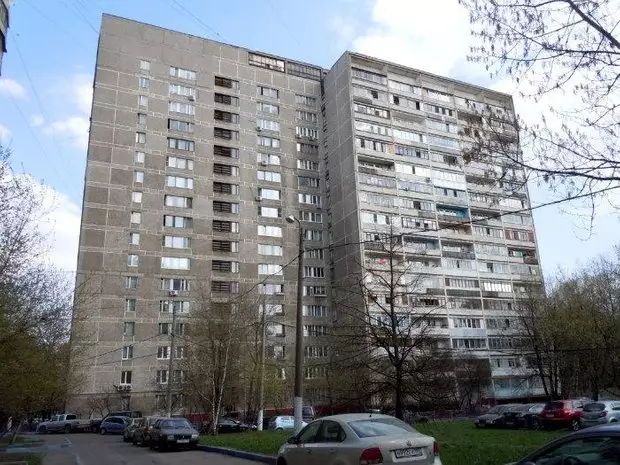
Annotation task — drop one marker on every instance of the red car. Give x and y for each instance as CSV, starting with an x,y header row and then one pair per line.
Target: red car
x,y
562,413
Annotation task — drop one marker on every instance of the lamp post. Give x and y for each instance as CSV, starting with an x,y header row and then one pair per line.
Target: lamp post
x,y
299,333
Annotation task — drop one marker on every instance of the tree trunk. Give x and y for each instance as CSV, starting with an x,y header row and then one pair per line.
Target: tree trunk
x,y
399,393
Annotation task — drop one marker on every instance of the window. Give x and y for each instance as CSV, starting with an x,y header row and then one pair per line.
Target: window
x,y
305,71
269,249
224,266
265,141
132,260
438,110
179,353
131,282
310,133
163,353
307,148
183,222
180,163
443,141
469,343
306,116
177,201
125,378
180,182
275,329
462,283
310,199
225,116
370,144
305,100
315,310
143,82
180,144
268,92
129,329
263,61
271,289
435,94
268,176
134,238
225,207
140,138
372,111
178,89
162,377
315,372
315,330
226,99
315,291
314,253
226,82
136,217
175,263
308,165
136,197
174,306
441,126
269,212
375,128
467,323
127,353
138,157
225,226
271,309
269,194
227,134
177,242
271,231
228,152
409,136
270,269
224,246
267,159
268,125
312,217
174,284
145,65
225,287
225,170
141,119
143,100
130,305
404,87
225,188
183,73
180,107
368,76
314,272
410,152
267,108
182,126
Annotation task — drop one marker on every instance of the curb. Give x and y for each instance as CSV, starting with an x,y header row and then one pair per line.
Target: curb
x,y
242,454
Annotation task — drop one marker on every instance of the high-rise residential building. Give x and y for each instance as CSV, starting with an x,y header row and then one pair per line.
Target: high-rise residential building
x,y
198,152
4,27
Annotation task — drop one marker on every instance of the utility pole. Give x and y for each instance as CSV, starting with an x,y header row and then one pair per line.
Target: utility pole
x,y
171,361
261,372
299,333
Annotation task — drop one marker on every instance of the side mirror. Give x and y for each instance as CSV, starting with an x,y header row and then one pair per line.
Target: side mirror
x,y
293,440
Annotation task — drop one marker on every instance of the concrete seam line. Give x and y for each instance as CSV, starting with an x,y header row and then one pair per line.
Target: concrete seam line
x,y
242,454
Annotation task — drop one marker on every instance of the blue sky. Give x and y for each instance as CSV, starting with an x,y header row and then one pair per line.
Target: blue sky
x,y
47,78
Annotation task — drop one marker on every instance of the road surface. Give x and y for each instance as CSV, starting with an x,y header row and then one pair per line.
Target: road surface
x,y
94,449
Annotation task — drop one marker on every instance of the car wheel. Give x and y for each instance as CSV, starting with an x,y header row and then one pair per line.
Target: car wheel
x,y
42,430
575,424
536,425
278,429
67,429
476,425
102,431
281,461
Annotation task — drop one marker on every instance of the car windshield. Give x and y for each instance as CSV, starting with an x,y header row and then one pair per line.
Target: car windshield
x,y
594,407
496,409
175,424
373,427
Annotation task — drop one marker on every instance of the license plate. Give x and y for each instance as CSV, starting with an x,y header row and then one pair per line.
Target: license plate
x,y
183,441
409,452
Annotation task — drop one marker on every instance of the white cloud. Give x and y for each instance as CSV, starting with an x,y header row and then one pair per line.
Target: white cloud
x,y
431,36
81,86
37,120
74,128
5,134
12,88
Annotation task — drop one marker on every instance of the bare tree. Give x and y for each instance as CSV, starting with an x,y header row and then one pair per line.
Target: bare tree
x,y
564,48
473,381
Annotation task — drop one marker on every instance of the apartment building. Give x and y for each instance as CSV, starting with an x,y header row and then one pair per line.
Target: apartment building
x,y
199,151
4,27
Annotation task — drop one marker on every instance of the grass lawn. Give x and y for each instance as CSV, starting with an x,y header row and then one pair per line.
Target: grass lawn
x,y
31,459
459,441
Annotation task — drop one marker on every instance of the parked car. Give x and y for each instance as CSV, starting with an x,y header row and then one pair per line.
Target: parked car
x,y
600,446
95,424
600,413
523,416
173,432
359,438
283,422
114,425
66,422
229,425
130,431
562,413
142,435
494,418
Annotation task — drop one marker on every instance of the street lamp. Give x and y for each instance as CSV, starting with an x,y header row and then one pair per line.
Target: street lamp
x,y
299,333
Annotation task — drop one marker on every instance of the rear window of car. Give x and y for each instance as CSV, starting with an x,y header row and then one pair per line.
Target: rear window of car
x,y
175,424
374,427
554,405
594,407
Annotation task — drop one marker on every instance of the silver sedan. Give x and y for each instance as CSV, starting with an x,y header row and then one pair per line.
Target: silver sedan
x,y
359,439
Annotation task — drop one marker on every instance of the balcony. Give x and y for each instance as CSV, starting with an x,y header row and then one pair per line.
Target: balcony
x,y
461,255
468,332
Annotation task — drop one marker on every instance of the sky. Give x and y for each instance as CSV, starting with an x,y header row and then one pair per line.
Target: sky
x,y
47,75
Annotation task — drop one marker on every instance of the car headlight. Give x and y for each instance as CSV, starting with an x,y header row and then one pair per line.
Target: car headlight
x,y
194,436
170,437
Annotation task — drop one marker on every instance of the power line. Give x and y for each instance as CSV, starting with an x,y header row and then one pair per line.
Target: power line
x,y
81,16
198,20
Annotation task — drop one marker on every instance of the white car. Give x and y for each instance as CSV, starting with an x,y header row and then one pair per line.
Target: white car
x,y
282,422
359,439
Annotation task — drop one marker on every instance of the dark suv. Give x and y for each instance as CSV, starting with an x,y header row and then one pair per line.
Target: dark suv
x,y
562,413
